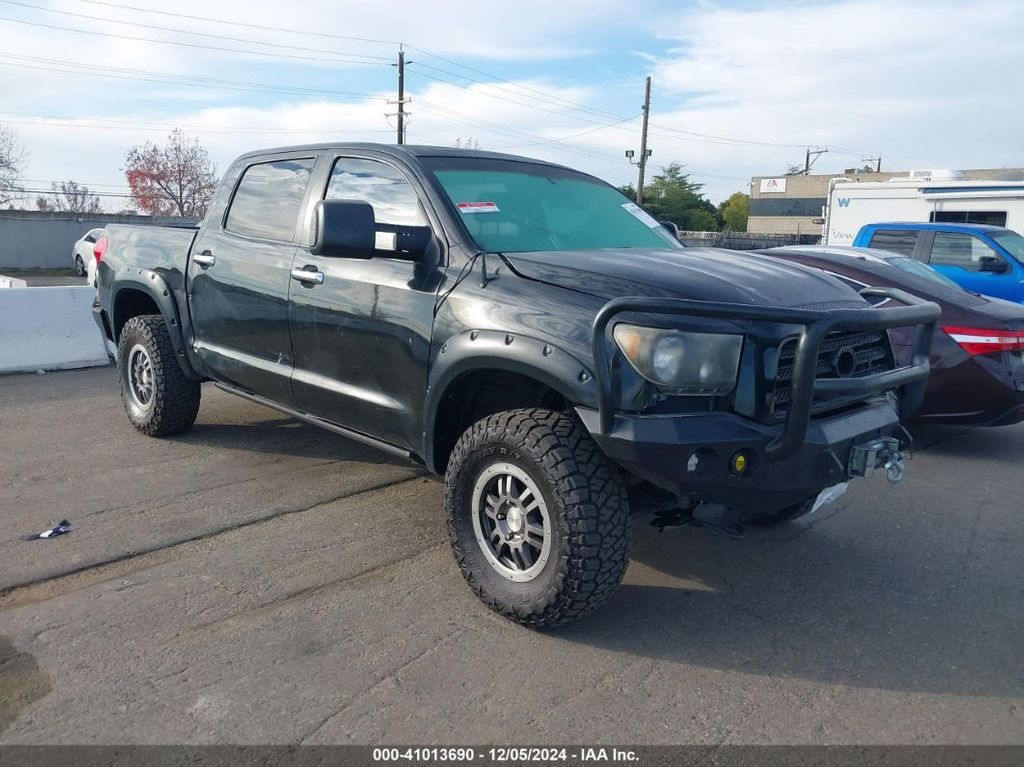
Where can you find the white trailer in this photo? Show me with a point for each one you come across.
(922, 196)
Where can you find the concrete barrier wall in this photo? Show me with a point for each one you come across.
(43, 240)
(49, 329)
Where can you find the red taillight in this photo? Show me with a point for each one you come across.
(100, 248)
(984, 340)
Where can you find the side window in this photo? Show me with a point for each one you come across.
(393, 199)
(268, 199)
(90, 237)
(993, 217)
(897, 241)
(963, 250)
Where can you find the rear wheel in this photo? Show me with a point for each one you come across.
(538, 519)
(158, 397)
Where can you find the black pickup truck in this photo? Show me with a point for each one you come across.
(524, 330)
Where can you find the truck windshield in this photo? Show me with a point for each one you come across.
(515, 207)
(1012, 242)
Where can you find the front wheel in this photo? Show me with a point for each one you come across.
(80, 266)
(158, 397)
(538, 519)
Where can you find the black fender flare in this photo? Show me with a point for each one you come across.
(153, 285)
(480, 350)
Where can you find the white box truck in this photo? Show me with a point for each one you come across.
(934, 196)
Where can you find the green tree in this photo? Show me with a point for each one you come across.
(700, 220)
(735, 211)
(672, 196)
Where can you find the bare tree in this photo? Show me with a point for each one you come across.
(177, 179)
(70, 196)
(13, 157)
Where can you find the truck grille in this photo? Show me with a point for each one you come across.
(841, 355)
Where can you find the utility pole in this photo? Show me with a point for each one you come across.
(644, 154)
(808, 162)
(401, 96)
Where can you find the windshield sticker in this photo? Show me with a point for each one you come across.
(477, 207)
(637, 212)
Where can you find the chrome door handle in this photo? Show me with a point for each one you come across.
(206, 258)
(309, 277)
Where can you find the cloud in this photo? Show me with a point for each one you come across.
(927, 85)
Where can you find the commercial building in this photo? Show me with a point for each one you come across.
(792, 205)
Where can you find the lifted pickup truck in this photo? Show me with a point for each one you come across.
(522, 329)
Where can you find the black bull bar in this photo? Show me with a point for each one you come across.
(816, 326)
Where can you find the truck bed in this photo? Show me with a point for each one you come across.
(156, 247)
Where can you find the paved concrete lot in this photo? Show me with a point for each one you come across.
(260, 581)
(48, 278)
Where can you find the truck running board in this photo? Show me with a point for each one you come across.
(387, 447)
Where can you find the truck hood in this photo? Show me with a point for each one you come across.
(707, 274)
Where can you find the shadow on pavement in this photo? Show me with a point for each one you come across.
(284, 436)
(811, 606)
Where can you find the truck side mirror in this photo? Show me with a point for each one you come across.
(344, 229)
(993, 264)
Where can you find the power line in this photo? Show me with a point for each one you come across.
(134, 38)
(106, 124)
(476, 122)
(171, 78)
(190, 32)
(248, 25)
(570, 136)
(520, 89)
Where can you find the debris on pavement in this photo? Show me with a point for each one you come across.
(59, 529)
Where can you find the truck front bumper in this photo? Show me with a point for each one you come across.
(692, 455)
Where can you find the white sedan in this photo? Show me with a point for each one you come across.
(84, 260)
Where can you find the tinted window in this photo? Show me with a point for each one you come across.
(518, 206)
(1013, 242)
(268, 198)
(393, 199)
(896, 241)
(993, 217)
(963, 250)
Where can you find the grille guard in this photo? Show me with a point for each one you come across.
(816, 326)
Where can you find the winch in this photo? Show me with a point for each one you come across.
(883, 452)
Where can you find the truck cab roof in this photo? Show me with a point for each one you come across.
(935, 226)
(403, 151)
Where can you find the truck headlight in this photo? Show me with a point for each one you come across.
(680, 361)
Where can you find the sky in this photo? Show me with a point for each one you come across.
(739, 88)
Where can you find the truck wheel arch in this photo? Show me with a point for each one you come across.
(478, 373)
(146, 292)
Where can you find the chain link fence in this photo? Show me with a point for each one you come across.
(745, 240)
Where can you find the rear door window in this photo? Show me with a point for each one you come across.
(993, 217)
(895, 241)
(962, 250)
(268, 198)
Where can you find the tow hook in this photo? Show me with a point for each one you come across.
(880, 453)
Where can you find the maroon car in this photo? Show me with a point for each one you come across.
(978, 355)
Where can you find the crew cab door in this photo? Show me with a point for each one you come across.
(361, 329)
(974, 264)
(239, 278)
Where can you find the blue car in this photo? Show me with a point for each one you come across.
(986, 259)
